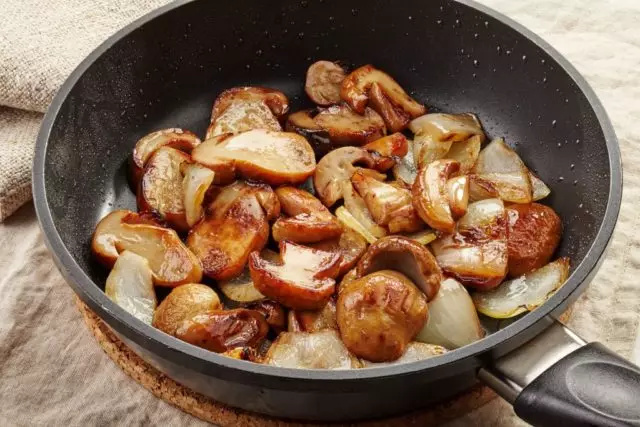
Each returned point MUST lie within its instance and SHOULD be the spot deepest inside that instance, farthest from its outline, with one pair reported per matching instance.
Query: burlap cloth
(51, 370)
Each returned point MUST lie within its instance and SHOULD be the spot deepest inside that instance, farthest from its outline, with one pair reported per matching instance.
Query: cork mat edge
(216, 413)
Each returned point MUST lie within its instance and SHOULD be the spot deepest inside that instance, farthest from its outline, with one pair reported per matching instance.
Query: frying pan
(166, 69)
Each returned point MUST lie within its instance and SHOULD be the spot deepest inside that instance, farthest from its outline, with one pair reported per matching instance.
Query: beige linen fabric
(51, 370)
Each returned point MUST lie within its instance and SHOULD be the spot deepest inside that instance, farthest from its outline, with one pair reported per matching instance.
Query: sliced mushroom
(355, 205)
(183, 303)
(369, 85)
(263, 155)
(351, 245)
(476, 254)
(453, 321)
(502, 167)
(415, 351)
(234, 225)
(309, 220)
(161, 190)
(335, 169)
(458, 194)
(130, 285)
(241, 288)
(273, 313)
(379, 314)
(242, 109)
(389, 205)
(323, 82)
(447, 127)
(222, 331)
(313, 321)
(170, 260)
(303, 280)
(406, 256)
(303, 123)
(179, 139)
(242, 353)
(431, 195)
(387, 150)
(195, 184)
(319, 350)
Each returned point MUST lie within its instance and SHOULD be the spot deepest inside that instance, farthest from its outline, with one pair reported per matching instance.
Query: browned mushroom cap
(304, 279)
(170, 260)
(179, 139)
(387, 149)
(388, 204)
(313, 321)
(309, 220)
(370, 85)
(350, 245)
(183, 303)
(273, 313)
(335, 169)
(431, 196)
(241, 109)
(379, 314)
(324, 79)
(406, 256)
(234, 225)
(161, 190)
(275, 158)
(222, 331)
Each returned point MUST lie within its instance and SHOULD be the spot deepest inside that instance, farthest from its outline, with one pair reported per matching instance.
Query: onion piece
(348, 220)
(415, 351)
(447, 127)
(319, 350)
(405, 169)
(195, 183)
(502, 167)
(424, 237)
(524, 293)
(358, 209)
(539, 188)
(130, 285)
(458, 190)
(466, 153)
(427, 149)
(453, 321)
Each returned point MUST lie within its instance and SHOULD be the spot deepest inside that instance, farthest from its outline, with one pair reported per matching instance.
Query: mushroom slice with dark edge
(368, 85)
(406, 256)
(453, 321)
(241, 109)
(221, 331)
(234, 225)
(379, 314)
(323, 82)
(389, 205)
(183, 303)
(313, 320)
(241, 288)
(319, 350)
(197, 180)
(415, 352)
(170, 260)
(161, 187)
(179, 139)
(476, 254)
(273, 313)
(351, 245)
(431, 195)
(308, 219)
(387, 150)
(130, 285)
(303, 280)
(499, 165)
(272, 157)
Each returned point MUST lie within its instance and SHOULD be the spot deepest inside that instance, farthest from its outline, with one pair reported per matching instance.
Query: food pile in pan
(361, 232)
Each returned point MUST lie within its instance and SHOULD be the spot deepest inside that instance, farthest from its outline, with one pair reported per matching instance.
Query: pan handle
(557, 379)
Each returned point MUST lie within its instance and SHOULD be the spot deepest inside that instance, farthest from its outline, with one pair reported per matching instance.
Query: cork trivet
(209, 410)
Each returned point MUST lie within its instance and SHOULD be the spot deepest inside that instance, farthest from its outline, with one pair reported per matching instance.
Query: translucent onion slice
(524, 293)
(424, 237)
(130, 285)
(241, 289)
(319, 350)
(447, 127)
(415, 351)
(349, 220)
(540, 189)
(195, 183)
(458, 191)
(405, 169)
(453, 321)
(427, 149)
(502, 167)
(359, 211)
(466, 153)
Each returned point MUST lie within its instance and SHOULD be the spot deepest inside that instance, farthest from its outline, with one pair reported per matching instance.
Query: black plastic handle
(591, 386)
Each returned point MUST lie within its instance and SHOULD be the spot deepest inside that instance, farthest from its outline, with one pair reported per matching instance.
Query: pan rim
(176, 351)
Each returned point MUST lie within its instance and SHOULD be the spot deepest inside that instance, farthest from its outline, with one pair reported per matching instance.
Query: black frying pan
(166, 69)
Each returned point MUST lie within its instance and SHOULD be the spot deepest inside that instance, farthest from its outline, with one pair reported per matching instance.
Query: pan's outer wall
(166, 71)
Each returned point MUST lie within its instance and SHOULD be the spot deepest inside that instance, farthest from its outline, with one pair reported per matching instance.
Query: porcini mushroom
(323, 82)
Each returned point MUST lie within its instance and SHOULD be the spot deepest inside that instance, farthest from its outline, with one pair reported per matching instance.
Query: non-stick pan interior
(447, 55)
